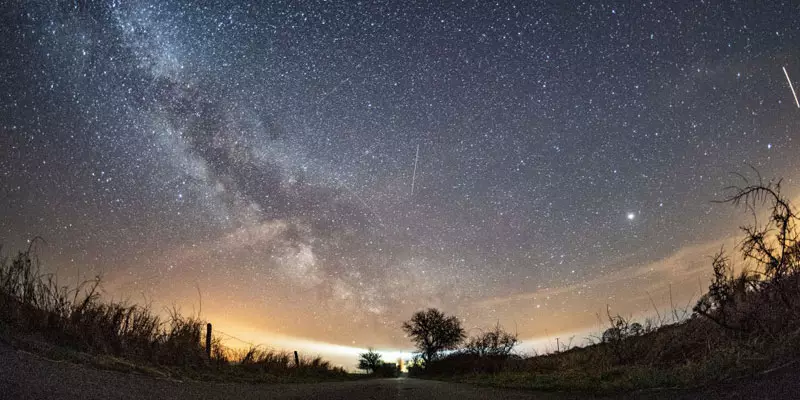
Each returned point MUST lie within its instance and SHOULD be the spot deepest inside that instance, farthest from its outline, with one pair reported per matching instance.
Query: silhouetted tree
(432, 332)
(370, 361)
(496, 342)
(764, 299)
(773, 246)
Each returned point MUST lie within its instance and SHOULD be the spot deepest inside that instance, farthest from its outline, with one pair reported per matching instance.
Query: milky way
(261, 157)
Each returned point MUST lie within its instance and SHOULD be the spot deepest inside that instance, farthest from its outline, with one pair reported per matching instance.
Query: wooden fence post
(296, 359)
(208, 340)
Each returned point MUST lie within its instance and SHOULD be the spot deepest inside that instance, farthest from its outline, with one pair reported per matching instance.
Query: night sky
(262, 157)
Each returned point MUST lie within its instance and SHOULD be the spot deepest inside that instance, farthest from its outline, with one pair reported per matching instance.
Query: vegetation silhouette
(748, 323)
(495, 342)
(433, 332)
(484, 353)
(37, 313)
(369, 361)
(763, 299)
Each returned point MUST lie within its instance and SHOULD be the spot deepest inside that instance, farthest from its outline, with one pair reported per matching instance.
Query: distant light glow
(252, 159)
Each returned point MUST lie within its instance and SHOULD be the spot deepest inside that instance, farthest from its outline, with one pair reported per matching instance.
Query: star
(265, 154)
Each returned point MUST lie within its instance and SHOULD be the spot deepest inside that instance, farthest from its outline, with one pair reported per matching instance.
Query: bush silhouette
(370, 361)
(496, 342)
(763, 299)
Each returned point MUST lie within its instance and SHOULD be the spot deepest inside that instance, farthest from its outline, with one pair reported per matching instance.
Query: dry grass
(692, 353)
(746, 323)
(78, 320)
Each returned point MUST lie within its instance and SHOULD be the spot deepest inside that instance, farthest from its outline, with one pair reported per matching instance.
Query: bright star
(631, 216)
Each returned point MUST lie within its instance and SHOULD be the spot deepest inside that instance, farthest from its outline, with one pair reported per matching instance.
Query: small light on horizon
(631, 216)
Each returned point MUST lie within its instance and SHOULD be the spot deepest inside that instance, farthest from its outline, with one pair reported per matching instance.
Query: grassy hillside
(75, 323)
(747, 323)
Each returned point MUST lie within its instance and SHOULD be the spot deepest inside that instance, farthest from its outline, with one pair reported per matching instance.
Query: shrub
(496, 342)
(370, 361)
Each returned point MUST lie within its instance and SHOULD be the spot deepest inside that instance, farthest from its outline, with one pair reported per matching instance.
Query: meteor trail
(791, 87)
(414, 176)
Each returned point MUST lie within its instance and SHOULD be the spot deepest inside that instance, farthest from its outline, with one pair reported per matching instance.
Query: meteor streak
(791, 87)
(414, 176)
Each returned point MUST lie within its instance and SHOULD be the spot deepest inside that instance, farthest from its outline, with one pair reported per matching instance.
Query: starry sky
(255, 162)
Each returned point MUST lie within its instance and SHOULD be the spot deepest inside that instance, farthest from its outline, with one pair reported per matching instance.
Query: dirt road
(27, 376)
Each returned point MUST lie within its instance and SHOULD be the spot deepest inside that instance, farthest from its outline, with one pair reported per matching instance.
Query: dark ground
(27, 376)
